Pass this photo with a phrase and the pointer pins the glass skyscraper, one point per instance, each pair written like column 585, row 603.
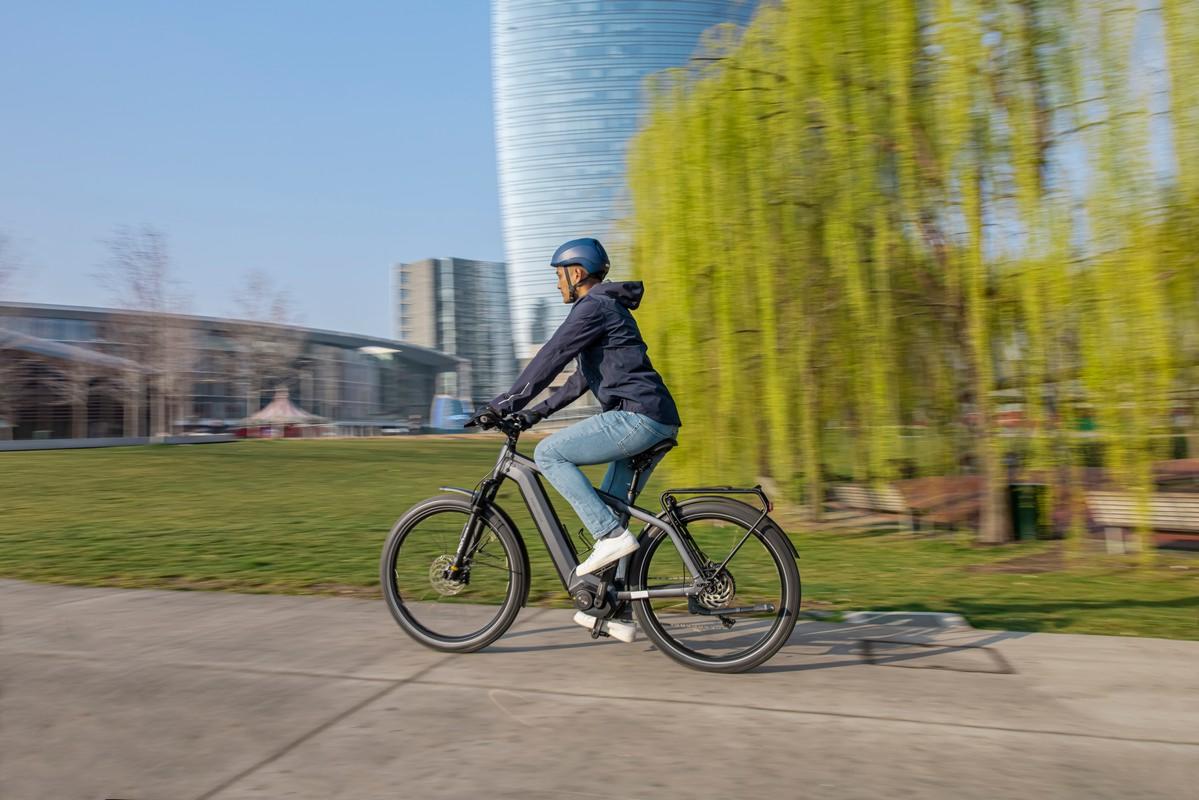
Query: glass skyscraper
column 569, row 78
column 459, row 306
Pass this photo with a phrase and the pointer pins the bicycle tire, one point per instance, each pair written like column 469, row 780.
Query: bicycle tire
column 405, row 611
column 772, row 540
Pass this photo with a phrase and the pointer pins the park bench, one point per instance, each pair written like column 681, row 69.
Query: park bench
column 1173, row 517
column 1176, row 474
column 867, row 504
column 942, row 499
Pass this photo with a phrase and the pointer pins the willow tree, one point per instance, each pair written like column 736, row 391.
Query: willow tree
column 1181, row 44
column 870, row 203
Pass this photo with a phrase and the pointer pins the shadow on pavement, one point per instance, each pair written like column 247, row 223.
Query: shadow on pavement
column 869, row 644
column 813, row 643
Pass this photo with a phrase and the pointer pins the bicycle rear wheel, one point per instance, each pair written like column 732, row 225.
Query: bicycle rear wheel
column 452, row 615
column 758, row 589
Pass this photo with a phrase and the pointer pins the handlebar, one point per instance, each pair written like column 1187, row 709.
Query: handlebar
column 508, row 425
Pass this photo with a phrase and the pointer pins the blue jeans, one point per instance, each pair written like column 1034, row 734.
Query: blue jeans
column 613, row 436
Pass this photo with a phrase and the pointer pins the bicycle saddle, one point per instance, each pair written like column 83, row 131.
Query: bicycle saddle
column 643, row 459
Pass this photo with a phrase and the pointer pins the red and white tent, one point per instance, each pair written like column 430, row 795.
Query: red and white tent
column 280, row 413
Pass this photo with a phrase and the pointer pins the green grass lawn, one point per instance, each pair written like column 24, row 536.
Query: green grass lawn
column 311, row 517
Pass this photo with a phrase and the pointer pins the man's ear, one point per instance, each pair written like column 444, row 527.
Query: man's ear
column 579, row 274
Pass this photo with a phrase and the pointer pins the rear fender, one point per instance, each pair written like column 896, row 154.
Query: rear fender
column 766, row 523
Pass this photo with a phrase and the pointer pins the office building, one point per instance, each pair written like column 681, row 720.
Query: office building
column 569, row 81
column 72, row 372
column 461, row 307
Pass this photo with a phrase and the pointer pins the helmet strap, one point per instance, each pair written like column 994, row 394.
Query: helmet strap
column 574, row 295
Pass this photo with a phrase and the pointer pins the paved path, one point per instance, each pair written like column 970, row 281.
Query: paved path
column 149, row 695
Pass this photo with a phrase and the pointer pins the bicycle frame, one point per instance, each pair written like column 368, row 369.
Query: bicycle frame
column 523, row 471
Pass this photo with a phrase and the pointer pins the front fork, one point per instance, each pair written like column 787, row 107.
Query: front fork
column 459, row 569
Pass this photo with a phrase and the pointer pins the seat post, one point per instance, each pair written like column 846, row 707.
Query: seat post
column 633, row 484
column 625, row 516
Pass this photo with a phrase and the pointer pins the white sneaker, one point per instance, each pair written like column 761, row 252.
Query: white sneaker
column 607, row 550
column 624, row 631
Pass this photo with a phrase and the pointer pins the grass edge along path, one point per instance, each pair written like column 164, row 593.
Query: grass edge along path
column 309, row 517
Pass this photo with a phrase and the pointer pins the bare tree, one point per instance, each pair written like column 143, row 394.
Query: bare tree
column 68, row 384
column 137, row 275
column 267, row 354
column 260, row 300
column 11, row 365
column 137, row 272
column 13, row 369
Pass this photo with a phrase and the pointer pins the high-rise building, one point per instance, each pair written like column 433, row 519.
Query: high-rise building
column 458, row 306
column 569, row 88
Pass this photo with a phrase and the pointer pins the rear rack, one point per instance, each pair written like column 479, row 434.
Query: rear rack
column 757, row 489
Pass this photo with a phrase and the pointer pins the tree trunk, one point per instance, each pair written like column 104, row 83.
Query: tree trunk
column 994, row 525
column 994, row 521
column 133, row 405
column 129, row 428
column 79, row 419
column 77, row 380
column 157, row 413
column 810, row 436
column 252, row 393
column 1192, row 435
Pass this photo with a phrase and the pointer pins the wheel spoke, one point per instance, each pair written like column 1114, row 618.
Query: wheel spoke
column 490, row 565
column 428, row 595
column 754, row 576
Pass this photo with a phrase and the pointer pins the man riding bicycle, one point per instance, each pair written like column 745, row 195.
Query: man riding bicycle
column 638, row 410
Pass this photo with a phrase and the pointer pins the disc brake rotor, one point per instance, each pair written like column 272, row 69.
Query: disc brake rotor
column 720, row 590
column 437, row 578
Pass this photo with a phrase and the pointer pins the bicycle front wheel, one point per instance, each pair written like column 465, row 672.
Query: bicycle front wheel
column 439, row 612
column 751, row 605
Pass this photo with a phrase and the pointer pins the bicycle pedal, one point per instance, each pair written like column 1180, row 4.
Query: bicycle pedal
column 608, row 628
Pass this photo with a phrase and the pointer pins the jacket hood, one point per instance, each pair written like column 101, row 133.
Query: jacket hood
column 627, row 293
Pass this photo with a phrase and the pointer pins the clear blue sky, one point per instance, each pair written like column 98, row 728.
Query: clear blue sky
column 318, row 142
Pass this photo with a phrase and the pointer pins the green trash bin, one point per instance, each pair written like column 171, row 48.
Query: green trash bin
column 1026, row 502
column 1178, row 446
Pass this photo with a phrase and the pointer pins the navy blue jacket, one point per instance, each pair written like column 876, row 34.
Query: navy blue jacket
column 612, row 362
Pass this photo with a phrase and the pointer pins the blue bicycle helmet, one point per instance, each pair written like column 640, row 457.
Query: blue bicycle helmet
column 586, row 253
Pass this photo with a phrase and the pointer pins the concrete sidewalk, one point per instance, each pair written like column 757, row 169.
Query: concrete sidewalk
column 148, row 695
